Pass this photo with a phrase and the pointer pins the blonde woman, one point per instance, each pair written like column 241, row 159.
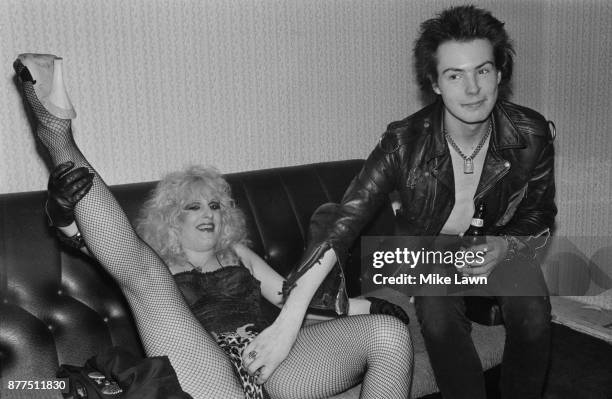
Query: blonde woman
column 198, row 251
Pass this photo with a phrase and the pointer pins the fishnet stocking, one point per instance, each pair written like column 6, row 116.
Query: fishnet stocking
column 165, row 323
column 327, row 358
column 333, row 356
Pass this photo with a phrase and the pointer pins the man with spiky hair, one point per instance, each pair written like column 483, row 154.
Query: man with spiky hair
column 469, row 146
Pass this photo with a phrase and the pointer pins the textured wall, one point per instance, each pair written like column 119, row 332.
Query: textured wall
column 577, row 95
column 241, row 85
column 253, row 84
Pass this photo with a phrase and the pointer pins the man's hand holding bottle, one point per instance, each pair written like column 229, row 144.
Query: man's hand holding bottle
column 492, row 248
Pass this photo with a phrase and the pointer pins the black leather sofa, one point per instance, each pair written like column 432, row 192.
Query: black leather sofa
column 58, row 306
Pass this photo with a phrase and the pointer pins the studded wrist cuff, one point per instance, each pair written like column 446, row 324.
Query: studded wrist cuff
column 513, row 246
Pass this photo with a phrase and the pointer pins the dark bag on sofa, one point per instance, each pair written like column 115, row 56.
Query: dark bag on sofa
column 116, row 373
column 87, row 382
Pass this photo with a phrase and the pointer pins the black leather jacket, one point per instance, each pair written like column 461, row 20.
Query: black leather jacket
column 517, row 183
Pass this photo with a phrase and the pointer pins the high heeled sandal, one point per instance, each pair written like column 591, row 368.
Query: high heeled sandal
column 46, row 74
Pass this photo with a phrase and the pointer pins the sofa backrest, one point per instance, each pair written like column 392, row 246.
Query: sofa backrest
column 58, row 306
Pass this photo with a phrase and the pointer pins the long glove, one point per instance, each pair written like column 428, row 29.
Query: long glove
column 381, row 306
column 66, row 187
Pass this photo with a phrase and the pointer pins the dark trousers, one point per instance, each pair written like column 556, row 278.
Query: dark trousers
column 453, row 357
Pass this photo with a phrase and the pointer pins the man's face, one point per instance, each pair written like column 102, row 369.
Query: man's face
column 467, row 80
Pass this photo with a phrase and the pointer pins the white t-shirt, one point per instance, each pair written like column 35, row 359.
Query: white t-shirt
column 465, row 188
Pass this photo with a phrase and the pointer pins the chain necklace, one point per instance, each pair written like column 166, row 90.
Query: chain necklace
column 468, row 162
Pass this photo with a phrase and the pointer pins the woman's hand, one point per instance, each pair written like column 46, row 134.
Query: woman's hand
column 494, row 251
column 66, row 187
column 268, row 350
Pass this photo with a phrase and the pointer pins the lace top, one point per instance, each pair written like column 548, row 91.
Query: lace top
column 225, row 299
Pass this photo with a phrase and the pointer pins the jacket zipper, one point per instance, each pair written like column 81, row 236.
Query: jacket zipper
column 490, row 186
column 433, row 202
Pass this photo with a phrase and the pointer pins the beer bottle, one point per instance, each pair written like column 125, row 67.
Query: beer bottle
column 475, row 234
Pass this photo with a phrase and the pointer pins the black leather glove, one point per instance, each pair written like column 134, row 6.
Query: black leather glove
column 66, row 187
column 381, row 306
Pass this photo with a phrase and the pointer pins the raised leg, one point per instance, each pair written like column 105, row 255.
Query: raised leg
column 331, row 357
column 165, row 323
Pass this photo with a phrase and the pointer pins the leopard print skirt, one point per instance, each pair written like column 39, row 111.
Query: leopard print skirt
column 233, row 343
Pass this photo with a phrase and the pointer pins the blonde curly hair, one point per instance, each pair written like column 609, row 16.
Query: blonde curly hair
column 158, row 223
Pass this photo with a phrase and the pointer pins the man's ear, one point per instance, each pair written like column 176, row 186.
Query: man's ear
column 435, row 88
column 498, row 77
column 434, row 85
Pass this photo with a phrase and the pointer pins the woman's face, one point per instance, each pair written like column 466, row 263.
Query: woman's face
column 200, row 223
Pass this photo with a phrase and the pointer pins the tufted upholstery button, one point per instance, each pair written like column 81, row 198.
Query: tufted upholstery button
column 426, row 124
column 5, row 300
column 507, row 164
column 60, row 292
column 50, row 327
column 105, row 319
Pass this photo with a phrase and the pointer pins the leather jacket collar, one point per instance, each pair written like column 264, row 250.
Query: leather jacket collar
column 504, row 135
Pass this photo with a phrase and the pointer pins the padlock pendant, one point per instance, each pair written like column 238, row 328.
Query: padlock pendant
column 468, row 166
